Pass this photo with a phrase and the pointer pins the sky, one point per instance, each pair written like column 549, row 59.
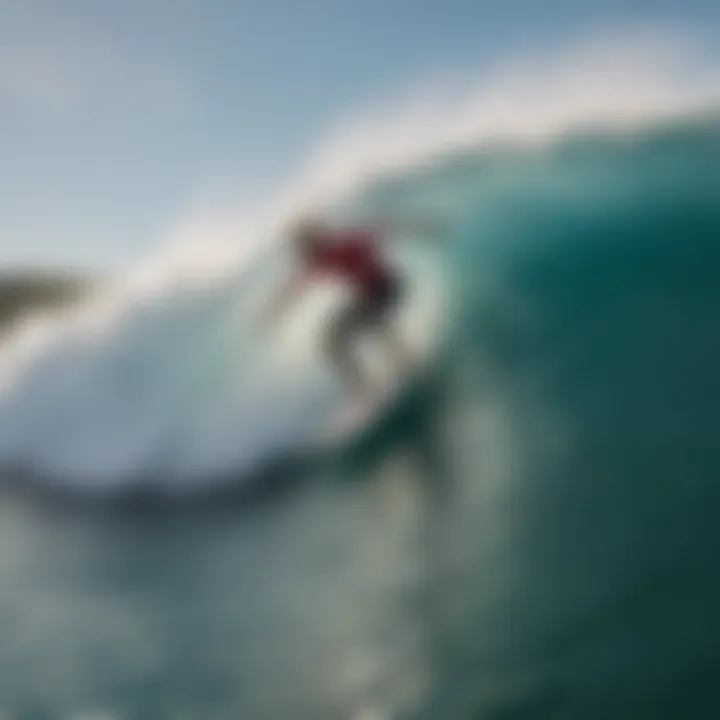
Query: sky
column 117, row 118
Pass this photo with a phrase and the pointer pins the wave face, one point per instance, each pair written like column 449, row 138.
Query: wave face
column 173, row 389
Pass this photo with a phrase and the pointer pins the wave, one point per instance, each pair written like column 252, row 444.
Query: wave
column 162, row 382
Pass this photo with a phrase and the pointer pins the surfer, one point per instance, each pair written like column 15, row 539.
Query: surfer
column 354, row 256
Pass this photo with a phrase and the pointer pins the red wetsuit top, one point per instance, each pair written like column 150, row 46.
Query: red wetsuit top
column 353, row 256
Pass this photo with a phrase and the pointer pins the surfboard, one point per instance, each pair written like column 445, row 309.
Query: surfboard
column 352, row 417
column 354, row 422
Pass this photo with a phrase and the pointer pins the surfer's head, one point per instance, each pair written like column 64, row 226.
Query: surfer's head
column 309, row 234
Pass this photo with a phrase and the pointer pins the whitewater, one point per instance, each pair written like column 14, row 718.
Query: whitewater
column 162, row 381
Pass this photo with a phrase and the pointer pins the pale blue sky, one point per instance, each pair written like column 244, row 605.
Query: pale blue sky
column 116, row 116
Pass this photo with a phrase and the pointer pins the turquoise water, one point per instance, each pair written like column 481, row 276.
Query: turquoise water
column 532, row 535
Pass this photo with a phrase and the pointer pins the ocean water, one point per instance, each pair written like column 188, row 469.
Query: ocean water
column 531, row 533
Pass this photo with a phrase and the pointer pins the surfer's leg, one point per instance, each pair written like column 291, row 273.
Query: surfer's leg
column 396, row 346
column 391, row 335
column 338, row 347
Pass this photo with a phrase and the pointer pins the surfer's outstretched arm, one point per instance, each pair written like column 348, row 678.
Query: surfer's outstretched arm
column 288, row 295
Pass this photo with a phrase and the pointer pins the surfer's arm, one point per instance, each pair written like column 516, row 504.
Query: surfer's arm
column 288, row 295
